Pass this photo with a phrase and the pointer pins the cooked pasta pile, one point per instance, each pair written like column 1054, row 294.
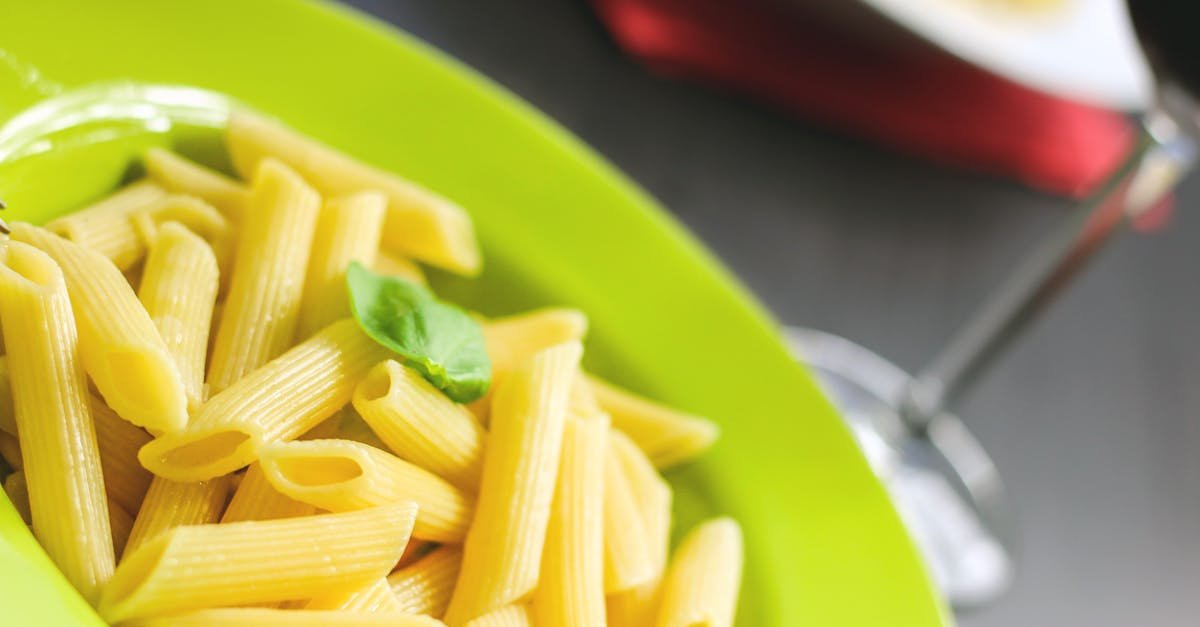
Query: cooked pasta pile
column 202, row 431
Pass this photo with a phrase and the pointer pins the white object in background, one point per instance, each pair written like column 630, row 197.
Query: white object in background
column 1082, row 49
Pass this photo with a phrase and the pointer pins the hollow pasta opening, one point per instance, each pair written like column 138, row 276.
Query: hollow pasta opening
column 31, row 264
column 378, row 383
column 316, row 470
column 205, row 450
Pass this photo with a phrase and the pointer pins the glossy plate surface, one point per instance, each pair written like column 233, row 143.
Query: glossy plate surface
column 558, row 225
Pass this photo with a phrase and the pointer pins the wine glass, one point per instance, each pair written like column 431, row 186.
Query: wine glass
column 944, row 485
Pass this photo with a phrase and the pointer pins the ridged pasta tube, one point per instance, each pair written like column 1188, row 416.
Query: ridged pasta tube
column 58, row 440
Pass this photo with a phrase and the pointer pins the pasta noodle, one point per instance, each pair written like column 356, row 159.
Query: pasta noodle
column 348, row 230
column 256, row 499
column 266, row 617
column 341, row 475
column 182, row 176
column 170, row 504
column 638, row 605
column 105, row 227
column 262, row 309
column 198, row 216
column 512, row 340
column 701, row 587
column 125, row 480
column 118, row 343
column 279, row 401
column 627, row 559
column 571, row 583
column 419, row 423
column 200, row 566
column 508, row 616
column 651, row 494
column 248, row 455
column 394, row 265
column 374, row 597
column 503, row 551
column 424, row 587
column 634, row 607
column 179, row 290
column 667, row 436
column 58, row 441
column 420, row 224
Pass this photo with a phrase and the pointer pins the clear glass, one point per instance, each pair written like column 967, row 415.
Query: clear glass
column 941, row 478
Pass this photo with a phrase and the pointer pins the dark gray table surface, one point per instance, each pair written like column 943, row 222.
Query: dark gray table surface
column 1092, row 417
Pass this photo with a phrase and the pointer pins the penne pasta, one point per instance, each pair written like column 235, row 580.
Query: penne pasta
column 67, row 504
column 503, row 551
column 634, row 607
column 348, row 230
column 120, row 523
column 701, row 587
column 125, row 480
column 181, row 176
column 127, row 245
column 570, row 589
column 170, row 504
column 639, row 605
column 105, row 227
column 512, row 340
column 263, row 306
column 395, row 265
column 667, row 436
column 197, row 216
column 341, row 475
column 425, row 586
column 627, row 559
column 279, row 401
column 18, row 495
column 267, row 617
column 179, row 290
column 420, row 424
column 8, row 422
column 420, row 224
column 256, row 499
column 507, row 616
column 195, row 567
column 10, row 450
column 651, row 494
column 204, row 428
column 371, row 598
column 118, row 342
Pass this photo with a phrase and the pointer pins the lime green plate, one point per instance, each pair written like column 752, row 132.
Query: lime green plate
column 558, row 226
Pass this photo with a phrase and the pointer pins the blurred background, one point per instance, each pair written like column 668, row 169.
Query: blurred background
column 862, row 180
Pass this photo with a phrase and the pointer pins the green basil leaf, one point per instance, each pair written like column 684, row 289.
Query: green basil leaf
column 436, row 338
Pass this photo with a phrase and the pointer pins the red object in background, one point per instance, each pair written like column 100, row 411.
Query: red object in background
column 915, row 99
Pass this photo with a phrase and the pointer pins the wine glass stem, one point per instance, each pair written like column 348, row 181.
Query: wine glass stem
column 1161, row 155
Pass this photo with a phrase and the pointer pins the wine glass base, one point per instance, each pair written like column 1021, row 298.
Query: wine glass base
column 943, row 484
